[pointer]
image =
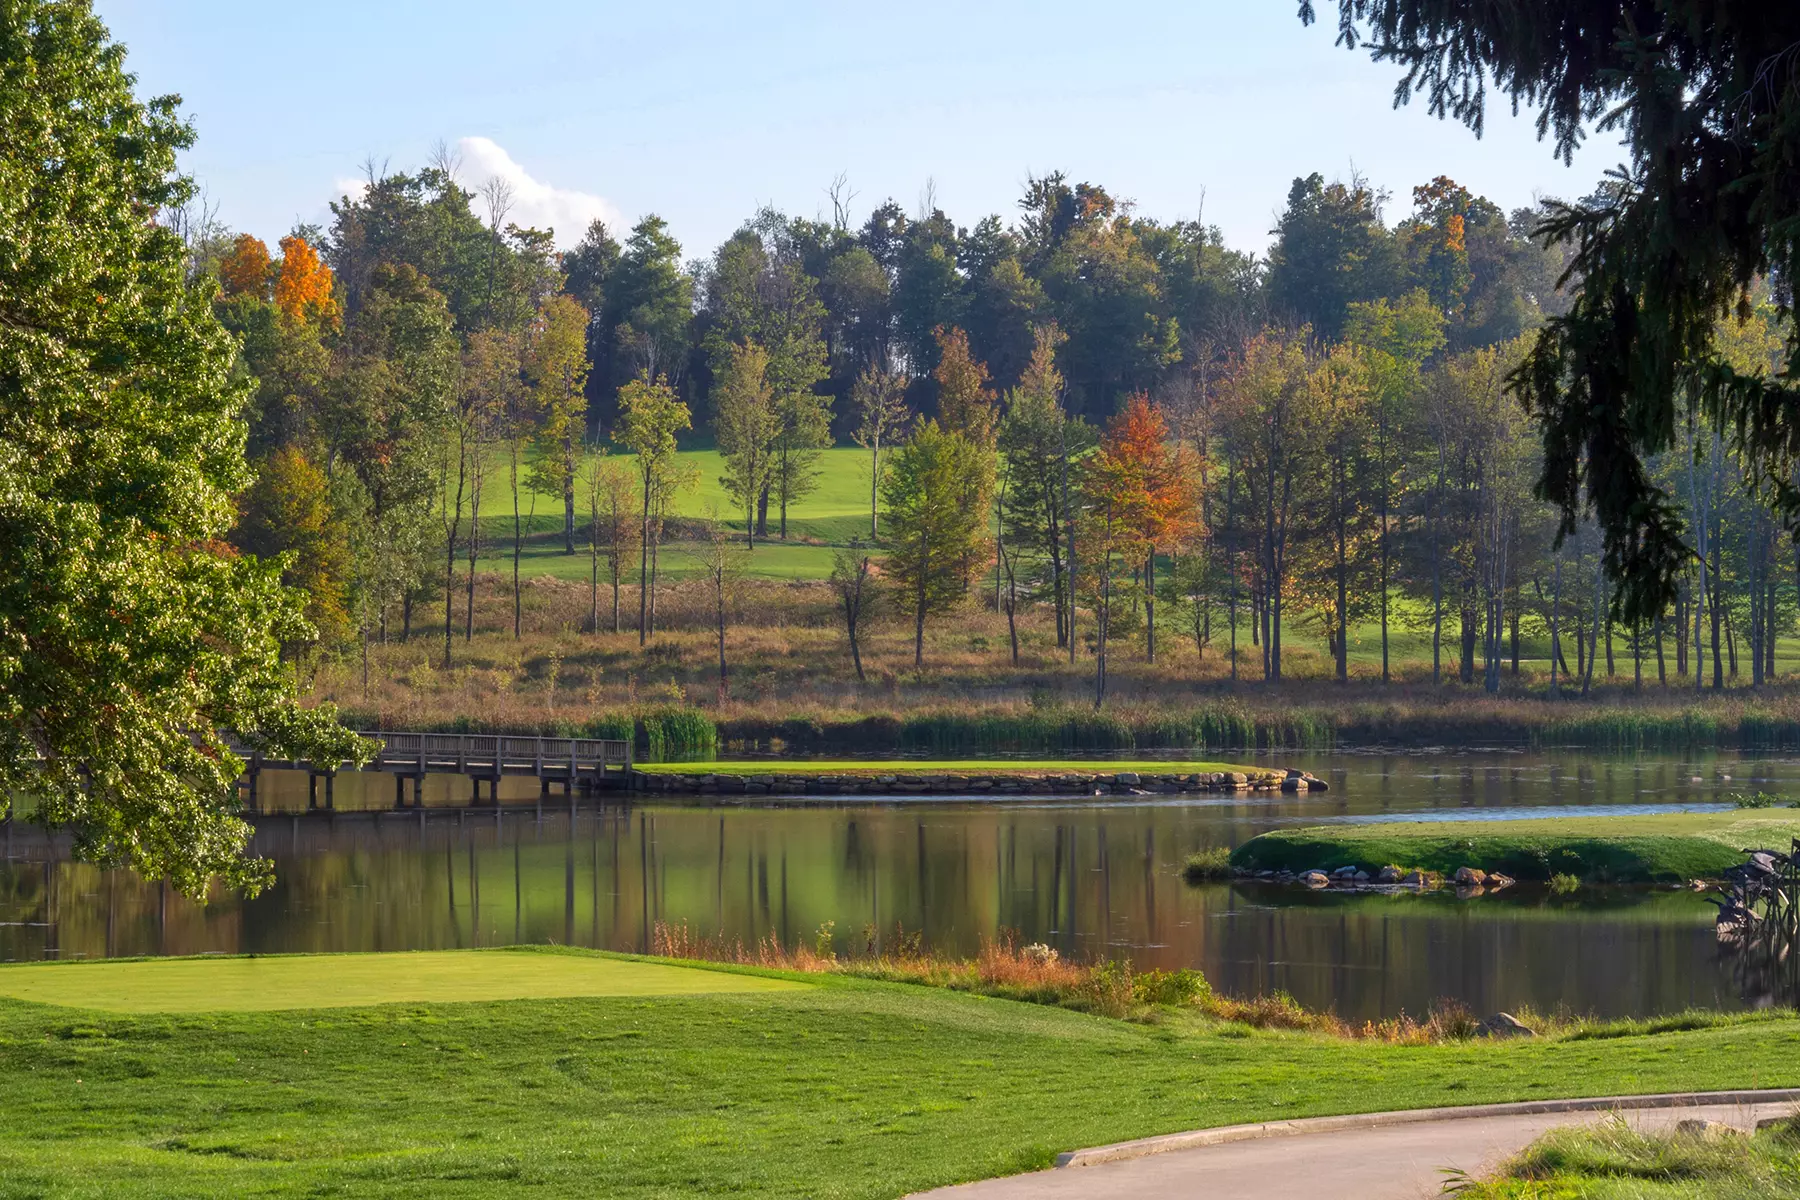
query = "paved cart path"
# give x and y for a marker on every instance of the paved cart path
(1395, 1162)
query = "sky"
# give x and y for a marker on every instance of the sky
(703, 112)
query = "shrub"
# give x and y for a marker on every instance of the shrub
(1755, 800)
(1109, 989)
(1171, 987)
(1562, 884)
(1214, 862)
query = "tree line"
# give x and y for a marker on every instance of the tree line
(1080, 411)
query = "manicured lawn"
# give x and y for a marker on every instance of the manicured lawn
(962, 766)
(305, 981)
(1668, 847)
(845, 1088)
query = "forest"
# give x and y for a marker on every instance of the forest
(1108, 436)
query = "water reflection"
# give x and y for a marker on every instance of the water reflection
(1088, 877)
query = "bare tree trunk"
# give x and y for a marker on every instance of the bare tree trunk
(919, 602)
(644, 570)
(1150, 604)
(1555, 614)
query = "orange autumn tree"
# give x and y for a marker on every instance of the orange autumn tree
(244, 271)
(1142, 492)
(303, 287)
(965, 401)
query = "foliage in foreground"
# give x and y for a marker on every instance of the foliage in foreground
(129, 635)
(1616, 1160)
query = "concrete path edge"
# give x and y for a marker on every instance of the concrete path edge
(1163, 1143)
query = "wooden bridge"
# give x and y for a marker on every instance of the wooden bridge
(590, 764)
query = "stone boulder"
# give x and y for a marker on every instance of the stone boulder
(1390, 874)
(1470, 877)
(1504, 1025)
(1315, 879)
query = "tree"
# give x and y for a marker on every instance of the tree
(131, 639)
(245, 269)
(882, 417)
(1396, 339)
(965, 402)
(556, 369)
(1330, 250)
(1037, 441)
(757, 290)
(611, 530)
(747, 427)
(303, 289)
(933, 534)
(649, 418)
(590, 274)
(721, 561)
(1272, 429)
(1139, 491)
(853, 582)
(652, 304)
(288, 516)
(1146, 484)
(1661, 255)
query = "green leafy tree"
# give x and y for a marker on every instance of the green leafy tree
(933, 533)
(1038, 442)
(651, 305)
(556, 369)
(1330, 250)
(131, 639)
(1396, 338)
(290, 511)
(650, 416)
(747, 426)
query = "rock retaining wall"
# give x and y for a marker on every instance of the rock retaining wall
(1121, 783)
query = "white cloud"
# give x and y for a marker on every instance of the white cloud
(534, 203)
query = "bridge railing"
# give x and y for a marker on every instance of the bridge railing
(486, 752)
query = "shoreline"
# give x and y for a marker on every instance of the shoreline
(1636, 848)
(926, 777)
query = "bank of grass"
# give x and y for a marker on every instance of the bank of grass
(1613, 1159)
(850, 1087)
(1660, 848)
(903, 768)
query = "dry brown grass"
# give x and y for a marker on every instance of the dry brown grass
(789, 661)
(1038, 975)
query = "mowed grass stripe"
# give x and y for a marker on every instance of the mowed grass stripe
(352, 980)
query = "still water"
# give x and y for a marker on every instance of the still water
(1090, 877)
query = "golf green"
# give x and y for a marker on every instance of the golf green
(346, 980)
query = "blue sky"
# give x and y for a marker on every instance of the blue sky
(704, 111)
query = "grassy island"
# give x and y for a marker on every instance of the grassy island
(1662, 848)
(682, 1080)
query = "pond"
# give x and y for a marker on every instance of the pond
(1090, 877)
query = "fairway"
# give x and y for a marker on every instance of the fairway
(348, 980)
